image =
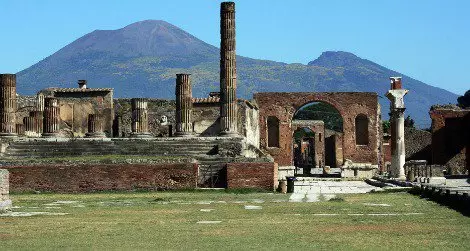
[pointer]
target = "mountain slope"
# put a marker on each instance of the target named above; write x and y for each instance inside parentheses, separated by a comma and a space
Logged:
(141, 60)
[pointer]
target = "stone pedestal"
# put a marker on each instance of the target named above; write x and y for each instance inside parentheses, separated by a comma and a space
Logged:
(140, 123)
(184, 106)
(5, 202)
(51, 118)
(95, 126)
(228, 71)
(397, 123)
(8, 105)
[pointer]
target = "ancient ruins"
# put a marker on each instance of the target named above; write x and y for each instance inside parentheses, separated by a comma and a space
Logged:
(52, 141)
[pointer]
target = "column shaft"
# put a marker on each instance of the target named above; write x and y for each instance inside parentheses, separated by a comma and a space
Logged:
(228, 70)
(139, 124)
(184, 105)
(8, 105)
(95, 126)
(51, 118)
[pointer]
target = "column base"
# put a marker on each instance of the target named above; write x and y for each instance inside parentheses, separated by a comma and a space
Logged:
(8, 135)
(50, 135)
(95, 135)
(141, 135)
(184, 134)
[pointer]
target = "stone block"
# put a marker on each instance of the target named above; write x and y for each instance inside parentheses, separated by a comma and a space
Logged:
(5, 202)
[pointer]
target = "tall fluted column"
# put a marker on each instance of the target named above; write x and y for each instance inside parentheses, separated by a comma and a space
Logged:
(40, 102)
(8, 105)
(397, 122)
(51, 118)
(95, 126)
(184, 106)
(228, 71)
(140, 122)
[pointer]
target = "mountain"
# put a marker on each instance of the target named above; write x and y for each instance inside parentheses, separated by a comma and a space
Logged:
(141, 60)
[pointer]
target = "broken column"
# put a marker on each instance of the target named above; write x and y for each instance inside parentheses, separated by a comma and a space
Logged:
(38, 122)
(19, 129)
(397, 124)
(228, 71)
(51, 118)
(140, 122)
(95, 126)
(40, 102)
(184, 106)
(8, 105)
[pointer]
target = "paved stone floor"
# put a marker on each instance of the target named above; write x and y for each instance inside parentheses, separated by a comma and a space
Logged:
(311, 191)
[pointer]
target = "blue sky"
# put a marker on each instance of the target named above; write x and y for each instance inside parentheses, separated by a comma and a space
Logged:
(425, 39)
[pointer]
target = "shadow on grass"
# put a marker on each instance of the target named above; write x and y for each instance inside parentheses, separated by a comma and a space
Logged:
(458, 203)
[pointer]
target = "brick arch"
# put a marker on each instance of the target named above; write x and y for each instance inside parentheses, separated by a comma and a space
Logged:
(284, 105)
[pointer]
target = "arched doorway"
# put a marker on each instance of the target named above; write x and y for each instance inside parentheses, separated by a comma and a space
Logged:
(325, 125)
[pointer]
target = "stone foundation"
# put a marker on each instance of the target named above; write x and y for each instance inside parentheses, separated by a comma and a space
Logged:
(5, 202)
(358, 170)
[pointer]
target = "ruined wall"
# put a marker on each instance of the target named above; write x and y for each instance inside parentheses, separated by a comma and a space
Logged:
(349, 105)
(5, 202)
(252, 175)
(102, 177)
(450, 138)
(206, 118)
(161, 114)
(318, 127)
(248, 121)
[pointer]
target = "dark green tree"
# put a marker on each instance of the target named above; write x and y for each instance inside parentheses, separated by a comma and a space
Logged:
(464, 101)
(409, 122)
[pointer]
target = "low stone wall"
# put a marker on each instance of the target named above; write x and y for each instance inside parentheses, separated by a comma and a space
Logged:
(102, 177)
(252, 175)
(5, 202)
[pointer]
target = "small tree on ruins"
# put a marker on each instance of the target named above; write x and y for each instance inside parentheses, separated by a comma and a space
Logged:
(409, 122)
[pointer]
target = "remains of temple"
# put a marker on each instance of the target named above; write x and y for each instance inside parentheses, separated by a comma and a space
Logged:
(216, 141)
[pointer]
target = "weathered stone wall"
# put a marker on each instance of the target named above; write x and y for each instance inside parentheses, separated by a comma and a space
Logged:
(101, 177)
(248, 121)
(5, 202)
(451, 138)
(158, 110)
(252, 175)
(418, 144)
(206, 119)
(349, 105)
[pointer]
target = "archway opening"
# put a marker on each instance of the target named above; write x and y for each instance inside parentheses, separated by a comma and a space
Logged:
(326, 122)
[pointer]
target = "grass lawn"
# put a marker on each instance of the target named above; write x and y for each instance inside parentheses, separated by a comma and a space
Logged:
(169, 220)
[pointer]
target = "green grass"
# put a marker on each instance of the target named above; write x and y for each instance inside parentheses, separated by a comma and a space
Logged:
(167, 220)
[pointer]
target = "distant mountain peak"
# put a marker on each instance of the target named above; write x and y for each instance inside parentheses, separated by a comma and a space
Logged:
(335, 59)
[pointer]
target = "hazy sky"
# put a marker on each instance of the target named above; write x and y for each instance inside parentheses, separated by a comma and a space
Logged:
(425, 39)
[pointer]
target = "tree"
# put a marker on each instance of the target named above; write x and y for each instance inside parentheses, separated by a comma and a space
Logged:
(464, 101)
(409, 122)
(386, 126)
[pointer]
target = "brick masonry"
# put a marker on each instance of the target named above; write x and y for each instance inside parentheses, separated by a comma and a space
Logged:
(252, 175)
(102, 177)
(451, 138)
(349, 105)
(5, 202)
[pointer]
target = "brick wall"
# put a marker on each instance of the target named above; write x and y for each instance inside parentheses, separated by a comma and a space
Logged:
(450, 138)
(88, 177)
(252, 175)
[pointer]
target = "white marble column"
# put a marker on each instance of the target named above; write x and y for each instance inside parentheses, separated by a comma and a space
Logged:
(397, 122)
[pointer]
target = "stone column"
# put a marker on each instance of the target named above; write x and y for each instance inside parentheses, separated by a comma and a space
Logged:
(19, 129)
(95, 126)
(51, 118)
(228, 71)
(184, 106)
(40, 102)
(397, 123)
(8, 105)
(38, 121)
(140, 122)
